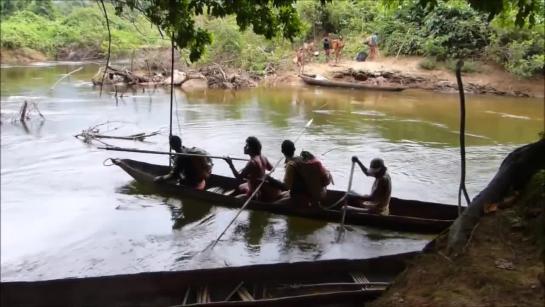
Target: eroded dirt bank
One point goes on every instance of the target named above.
(406, 72)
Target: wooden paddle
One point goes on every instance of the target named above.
(114, 148)
(256, 190)
(346, 196)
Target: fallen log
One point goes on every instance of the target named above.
(514, 172)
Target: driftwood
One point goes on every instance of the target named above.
(124, 76)
(65, 76)
(516, 169)
(118, 75)
(93, 134)
(217, 78)
(26, 111)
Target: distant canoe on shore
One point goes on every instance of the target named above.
(322, 81)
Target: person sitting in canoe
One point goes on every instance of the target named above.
(189, 170)
(379, 199)
(254, 172)
(304, 176)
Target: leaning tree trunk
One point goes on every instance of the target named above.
(516, 169)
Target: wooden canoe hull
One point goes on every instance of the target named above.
(311, 79)
(284, 284)
(405, 215)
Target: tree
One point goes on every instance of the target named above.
(177, 18)
(8, 7)
(526, 10)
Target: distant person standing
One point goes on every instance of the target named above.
(327, 46)
(372, 42)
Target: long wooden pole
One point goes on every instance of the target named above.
(167, 153)
(347, 193)
(171, 91)
(258, 188)
(462, 188)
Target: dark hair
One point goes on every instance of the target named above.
(288, 148)
(175, 142)
(254, 144)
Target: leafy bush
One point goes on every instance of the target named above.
(455, 31)
(521, 51)
(469, 66)
(83, 27)
(428, 64)
(447, 31)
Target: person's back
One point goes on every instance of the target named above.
(196, 169)
(314, 176)
(189, 170)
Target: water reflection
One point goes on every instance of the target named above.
(189, 211)
(299, 234)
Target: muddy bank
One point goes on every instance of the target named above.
(398, 78)
(21, 56)
(502, 264)
(406, 71)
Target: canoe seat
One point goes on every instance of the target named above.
(359, 277)
(244, 294)
(218, 190)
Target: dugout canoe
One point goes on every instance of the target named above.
(313, 80)
(342, 282)
(405, 215)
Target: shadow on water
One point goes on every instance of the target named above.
(183, 211)
(255, 229)
(298, 234)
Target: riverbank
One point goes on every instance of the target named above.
(502, 264)
(492, 79)
(403, 71)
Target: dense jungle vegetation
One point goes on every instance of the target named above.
(446, 31)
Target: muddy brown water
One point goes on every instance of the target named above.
(64, 214)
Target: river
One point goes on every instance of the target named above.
(64, 214)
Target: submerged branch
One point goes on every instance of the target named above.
(65, 76)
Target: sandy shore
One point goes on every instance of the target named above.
(492, 78)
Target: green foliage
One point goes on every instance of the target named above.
(469, 66)
(42, 8)
(525, 12)
(242, 49)
(265, 17)
(520, 50)
(82, 27)
(447, 31)
(428, 64)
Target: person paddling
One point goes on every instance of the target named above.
(254, 172)
(379, 199)
(191, 171)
